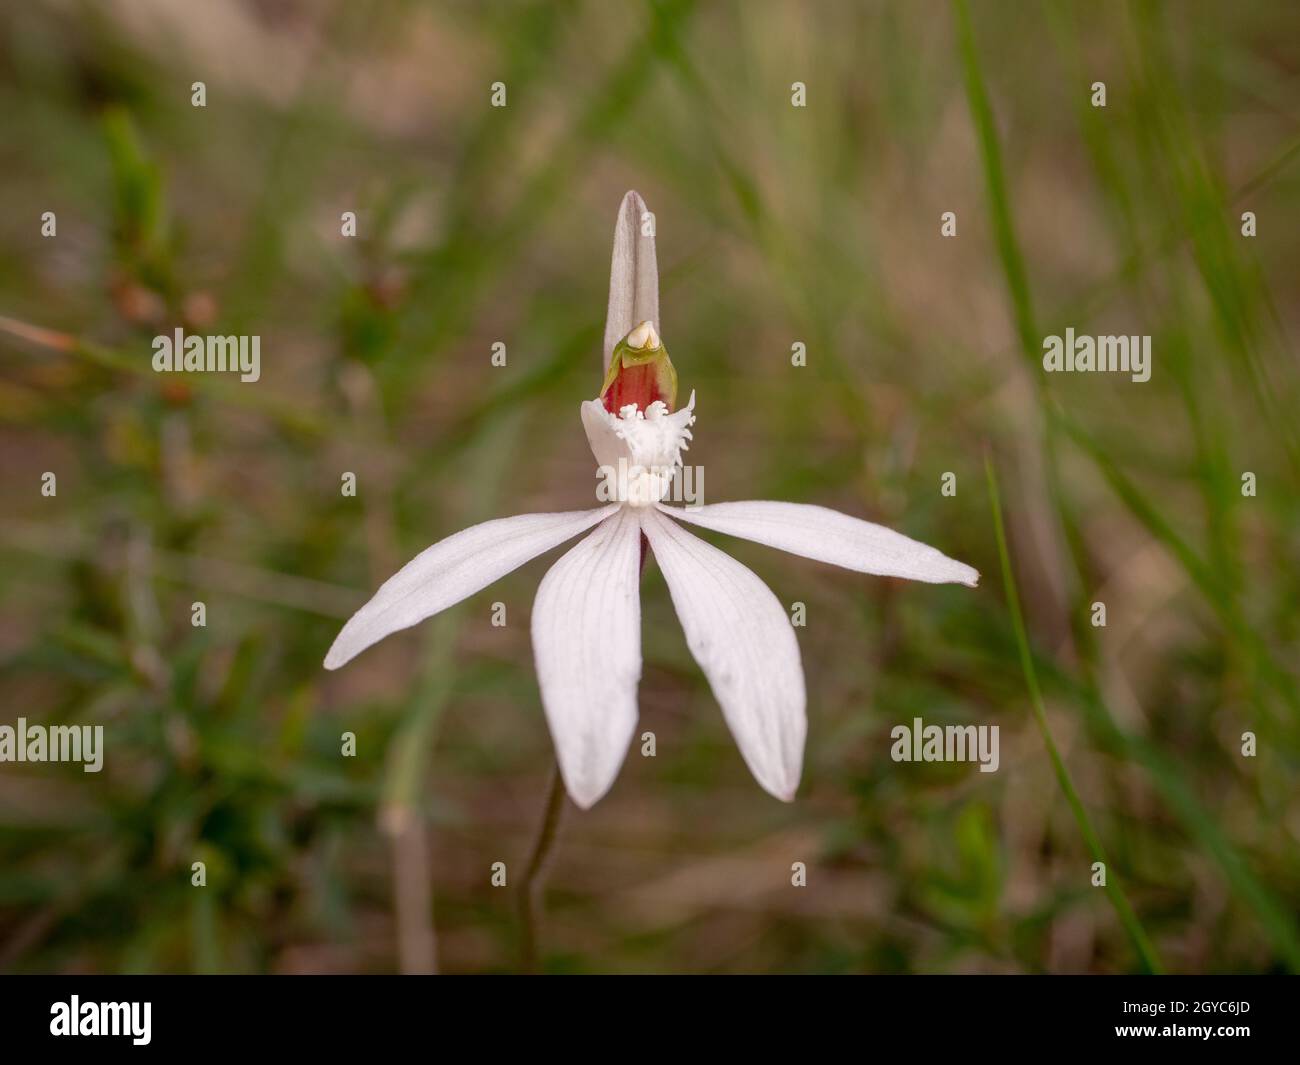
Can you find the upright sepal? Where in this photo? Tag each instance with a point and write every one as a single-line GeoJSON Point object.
{"type": "Point", "coordinates": [633, 274]}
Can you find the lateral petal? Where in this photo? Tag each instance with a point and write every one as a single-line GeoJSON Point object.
{"type": "Point", "coordinates": [829, 536]}
{"type": "Point", "coordinates": [454, 569]}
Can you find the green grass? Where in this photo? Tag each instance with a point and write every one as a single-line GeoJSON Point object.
{"type": "Point", "coordinates": [1114, 892]}
{"type": "Point", "coordinates": [776, 225]}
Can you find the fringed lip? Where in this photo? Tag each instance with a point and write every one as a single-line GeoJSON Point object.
{"type": "Point", "coordinates": [638, 451]}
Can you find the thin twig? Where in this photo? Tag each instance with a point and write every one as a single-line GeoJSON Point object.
{"type": "Point", "coordinates": [35, 334]}
{"type": "Point", "coordinates": [290, 411]}
{"type": "Point", "coordinates": [530, 888]}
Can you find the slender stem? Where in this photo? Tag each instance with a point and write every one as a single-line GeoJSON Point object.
{"type": "Point", "coordinates": [417, 944]}
{"type": "Point", "coordinates": [1146, 952]}
{"type": "Point", "coordinates": [530, 888]}
{"type": "Point", "coordinates": [46, 338]}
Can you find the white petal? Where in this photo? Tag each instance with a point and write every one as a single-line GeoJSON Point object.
{"type": "Point", "coordinates": [743, 640]}
{"type": "Point", "coordinates": [633, 275]}
{"type": "Point", "coordinates": [452, 570]}
{"type": "Point", "coordinates": [829, 536]}
{"type": "Point", "coordinates": [587, 643]}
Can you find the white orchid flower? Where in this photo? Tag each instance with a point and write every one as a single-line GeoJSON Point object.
{"type": "Point", "coordinates": [586, 621]}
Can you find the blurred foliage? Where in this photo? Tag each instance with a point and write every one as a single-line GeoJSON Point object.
{"type": "Point", "coordinates": [776, 224]}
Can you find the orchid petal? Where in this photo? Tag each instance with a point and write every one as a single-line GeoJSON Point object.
{"type": "Point", "coordinates": [633, 276]}
{"type": "Point", "coordinates": [741, 637]}
{"type": "Point", "coordinates": [829, 536]}
{"type": "Point", "coordinates": [454, 569]}
{"type": "Point", "coordinates": [587, 643]}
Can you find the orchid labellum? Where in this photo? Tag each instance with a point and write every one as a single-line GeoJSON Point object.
{"type": "Point", "coordinates": [586, 622]}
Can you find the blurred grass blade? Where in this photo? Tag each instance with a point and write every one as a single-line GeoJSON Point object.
{"type": "Point", "coordinates": [1146, 952]}
{"type": "Point", "coordinates": [140, 210]}
{"type": "Point", "coordinates": [1013, 264]}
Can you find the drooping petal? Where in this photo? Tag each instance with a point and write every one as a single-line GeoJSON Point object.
{"type": "Point", "coordinates": [741, 637]}
{"type": "Point", "coordinates": [453, 569]}
{"type": "Point", "coordinates": [829, 536]}
{"type": "Point", "coordinates": [587, 643]}
{"type": "Point", "coordinates": [633, 275]}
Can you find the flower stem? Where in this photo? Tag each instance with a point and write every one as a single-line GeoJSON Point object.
{"type": "Point", "coordinates": [530, 889]}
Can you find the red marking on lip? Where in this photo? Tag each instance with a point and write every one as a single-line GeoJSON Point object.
{"type": "Point", "coordinates": [638, 385]}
